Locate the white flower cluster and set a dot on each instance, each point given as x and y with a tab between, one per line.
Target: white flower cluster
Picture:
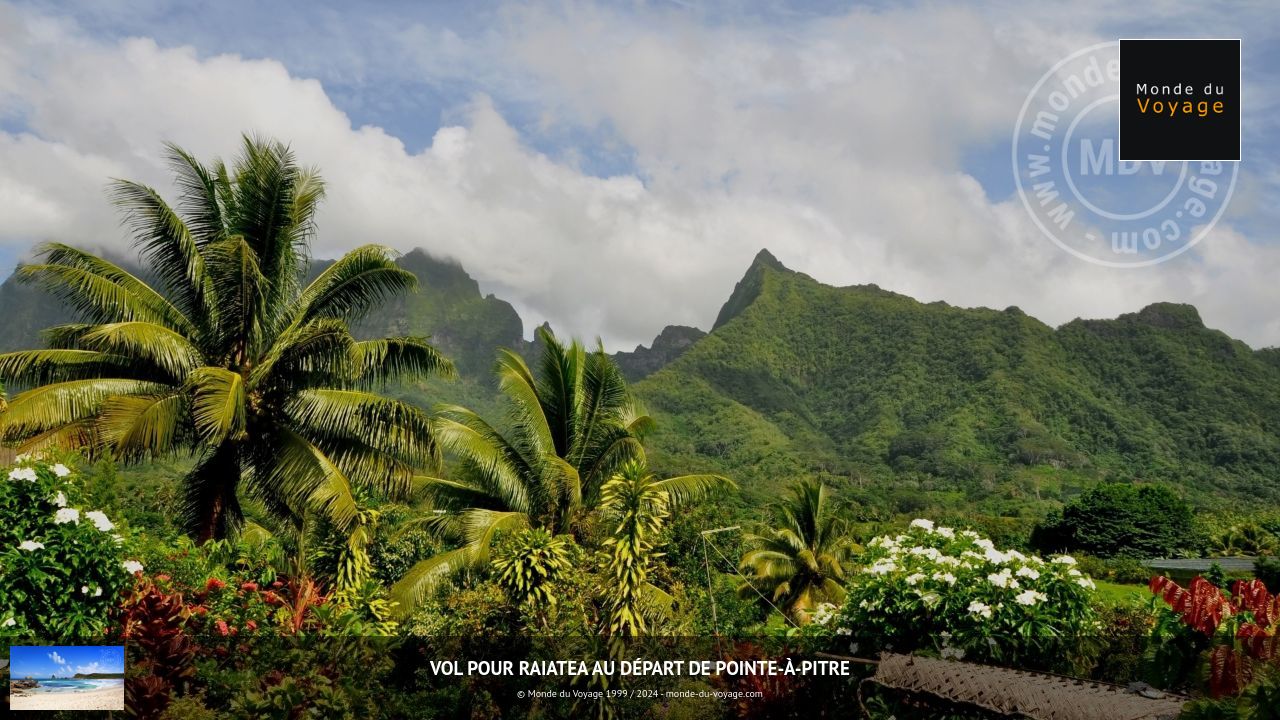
961	574
26	473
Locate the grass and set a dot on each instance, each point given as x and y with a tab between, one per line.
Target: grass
1120	594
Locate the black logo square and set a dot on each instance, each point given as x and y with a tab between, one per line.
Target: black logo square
1180	99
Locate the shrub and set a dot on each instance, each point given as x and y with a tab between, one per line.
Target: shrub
1267	569
1113	519
62	569
1233	637
1124	570
934	588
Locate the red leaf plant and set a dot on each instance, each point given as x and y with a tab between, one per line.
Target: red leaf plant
1204	607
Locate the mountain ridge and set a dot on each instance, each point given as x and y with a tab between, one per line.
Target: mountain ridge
866	386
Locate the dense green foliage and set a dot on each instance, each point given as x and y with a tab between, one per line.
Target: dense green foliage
801	562
229	356
1143	521
62	567
934	406
566	431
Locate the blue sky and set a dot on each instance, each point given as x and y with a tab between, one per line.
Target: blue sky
64	660
613	167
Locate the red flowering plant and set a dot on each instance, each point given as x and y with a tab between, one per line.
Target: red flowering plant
235	639
1233	636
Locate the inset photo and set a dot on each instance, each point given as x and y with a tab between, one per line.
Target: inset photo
66	677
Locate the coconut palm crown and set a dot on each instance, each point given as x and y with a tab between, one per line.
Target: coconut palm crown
224	352
799	563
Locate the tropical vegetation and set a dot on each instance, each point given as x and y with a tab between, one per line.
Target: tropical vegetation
227	354
800	563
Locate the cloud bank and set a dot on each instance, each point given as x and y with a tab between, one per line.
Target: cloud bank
847	145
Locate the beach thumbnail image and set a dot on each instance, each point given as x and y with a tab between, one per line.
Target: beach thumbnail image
66	677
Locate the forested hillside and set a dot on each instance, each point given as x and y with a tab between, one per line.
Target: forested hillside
867	386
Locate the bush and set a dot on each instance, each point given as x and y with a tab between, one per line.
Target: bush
62	569
1123	570
954	592
1267	569
1142	521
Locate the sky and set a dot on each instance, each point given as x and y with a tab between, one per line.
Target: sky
64	661
613	167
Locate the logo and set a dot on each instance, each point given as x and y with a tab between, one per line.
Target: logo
1082	196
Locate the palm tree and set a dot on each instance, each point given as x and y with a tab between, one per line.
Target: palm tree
229	356
568	430
800	563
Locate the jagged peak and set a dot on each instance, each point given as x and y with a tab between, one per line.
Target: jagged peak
1170	315
764	258
748	288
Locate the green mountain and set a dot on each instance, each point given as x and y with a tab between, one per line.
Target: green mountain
911	404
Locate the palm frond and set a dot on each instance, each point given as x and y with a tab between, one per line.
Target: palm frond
685	489
358	281
52	406
140	427
41	367
145	343
167	248
427	575
393	427
378	362
218	403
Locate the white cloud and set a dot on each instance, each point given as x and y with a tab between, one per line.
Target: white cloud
93	667
56	658
837	144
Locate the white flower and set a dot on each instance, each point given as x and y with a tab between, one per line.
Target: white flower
131	566
60	500
1030	597
1074	572
100	520
1086	583
931	598
1027	572
945	577
97	592
84	589
926	525
31	545
61	470
22	458
23	473
1002	579
915	578
995	557
844	631
66	515
969	534
980	608
1015	555
1065	560
10	622
117	538
985	544
882	567
946	532
950	653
